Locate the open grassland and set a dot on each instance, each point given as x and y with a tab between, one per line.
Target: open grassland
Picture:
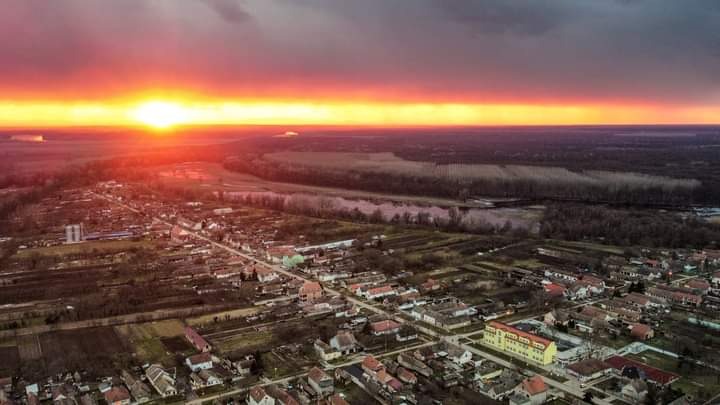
391	164
99	247
222	316
249	341
146	339
149	330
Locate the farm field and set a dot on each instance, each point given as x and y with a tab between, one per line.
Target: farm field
204	175
385	162
98	350
224	315
100	247
147	340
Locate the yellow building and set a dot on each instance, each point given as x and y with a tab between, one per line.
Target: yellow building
531	348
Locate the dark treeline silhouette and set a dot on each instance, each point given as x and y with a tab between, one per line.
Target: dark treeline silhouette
627	227
460	188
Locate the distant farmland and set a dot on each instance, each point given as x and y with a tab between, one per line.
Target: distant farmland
390	164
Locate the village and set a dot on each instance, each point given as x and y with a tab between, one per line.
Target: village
124	294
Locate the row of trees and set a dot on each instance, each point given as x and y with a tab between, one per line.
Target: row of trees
459	187
322	207
627	227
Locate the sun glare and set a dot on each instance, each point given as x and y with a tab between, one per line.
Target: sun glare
160	114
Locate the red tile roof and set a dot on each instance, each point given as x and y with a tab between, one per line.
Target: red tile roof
529	336
310	287
380	290
317	375
652	373
198	341
372	363
384	326
554	290
534	385
200	358
640	330
257	393
117	394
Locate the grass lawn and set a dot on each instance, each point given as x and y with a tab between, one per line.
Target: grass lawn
247	341
277	367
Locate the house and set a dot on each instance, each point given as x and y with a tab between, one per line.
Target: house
371	366
281	396
414	364
588	369
641	331
275	254
258	396
161	380
554	290
344	342
386	327
530	347
459	355
699	286
532	391
196	340
197	362
320	382
406	376
430	285
266	275
674	295
310	291
638	300
243	366
554	318
380	292
325	351
117	396
139	391
203	379
501	385
577	291
63	394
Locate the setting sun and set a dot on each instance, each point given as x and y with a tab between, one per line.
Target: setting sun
160	114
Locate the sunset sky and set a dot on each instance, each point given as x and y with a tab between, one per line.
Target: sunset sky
388	62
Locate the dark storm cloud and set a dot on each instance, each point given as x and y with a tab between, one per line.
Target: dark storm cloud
659	51
525	17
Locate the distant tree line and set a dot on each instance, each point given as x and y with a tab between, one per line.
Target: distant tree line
627	227
459	187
